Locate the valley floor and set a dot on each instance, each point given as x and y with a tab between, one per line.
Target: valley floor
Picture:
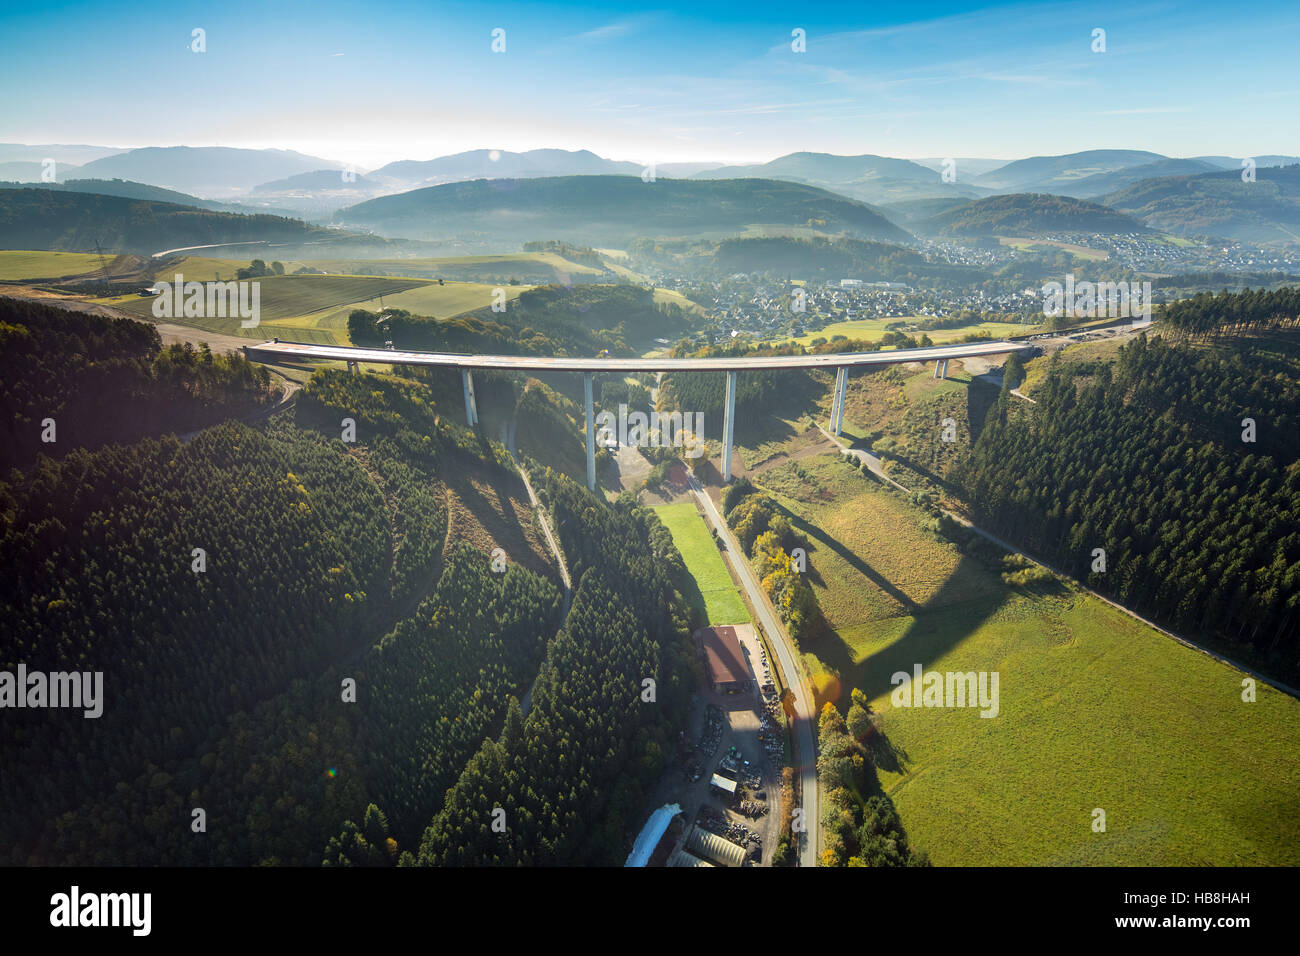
1096	711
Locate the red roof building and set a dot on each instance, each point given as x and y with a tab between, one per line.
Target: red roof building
727	669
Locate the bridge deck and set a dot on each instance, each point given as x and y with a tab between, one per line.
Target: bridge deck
831	360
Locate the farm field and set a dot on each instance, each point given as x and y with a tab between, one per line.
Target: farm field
721	599
871	330
17	265
445	301
203	269
528	266
1083	252
1096	709
294	307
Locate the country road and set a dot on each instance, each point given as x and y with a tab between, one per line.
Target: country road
805	720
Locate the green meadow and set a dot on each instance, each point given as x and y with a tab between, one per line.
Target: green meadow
871	330
718	596
315	308
19	265
1096	710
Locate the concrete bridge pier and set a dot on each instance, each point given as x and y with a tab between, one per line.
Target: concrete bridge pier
471	408
728	427
837	400
353	367
591	432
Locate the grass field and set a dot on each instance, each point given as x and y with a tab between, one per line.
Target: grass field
203	269
871	330
1096	709
16	265
445	301
528	266
672	297
722	603
306	308
1030	245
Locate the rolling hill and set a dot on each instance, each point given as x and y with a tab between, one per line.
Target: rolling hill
72	154
1028	214
76	222
1218	204
318	179
1099	184
210	171
870	178
124	188
1234	162
480	164
1052	174
31	171
612	209
912	211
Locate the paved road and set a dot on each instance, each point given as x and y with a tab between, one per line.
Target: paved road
805	722
211	245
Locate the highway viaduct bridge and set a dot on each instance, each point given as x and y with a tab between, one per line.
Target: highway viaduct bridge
841	362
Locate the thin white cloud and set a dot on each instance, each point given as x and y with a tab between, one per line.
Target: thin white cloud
610	31
1143	111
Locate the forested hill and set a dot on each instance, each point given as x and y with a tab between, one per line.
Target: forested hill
823	258
1028	214
121	187
223	666
572	776
1218	204
86	222
1151	459
307	639
589	209
107	380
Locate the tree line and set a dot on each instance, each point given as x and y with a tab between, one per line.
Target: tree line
566	784
1143	478
104	380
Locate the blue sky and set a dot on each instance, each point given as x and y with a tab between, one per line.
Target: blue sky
370	82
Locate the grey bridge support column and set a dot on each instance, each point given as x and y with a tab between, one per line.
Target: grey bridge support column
591	432
837	399
471	408
728	427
